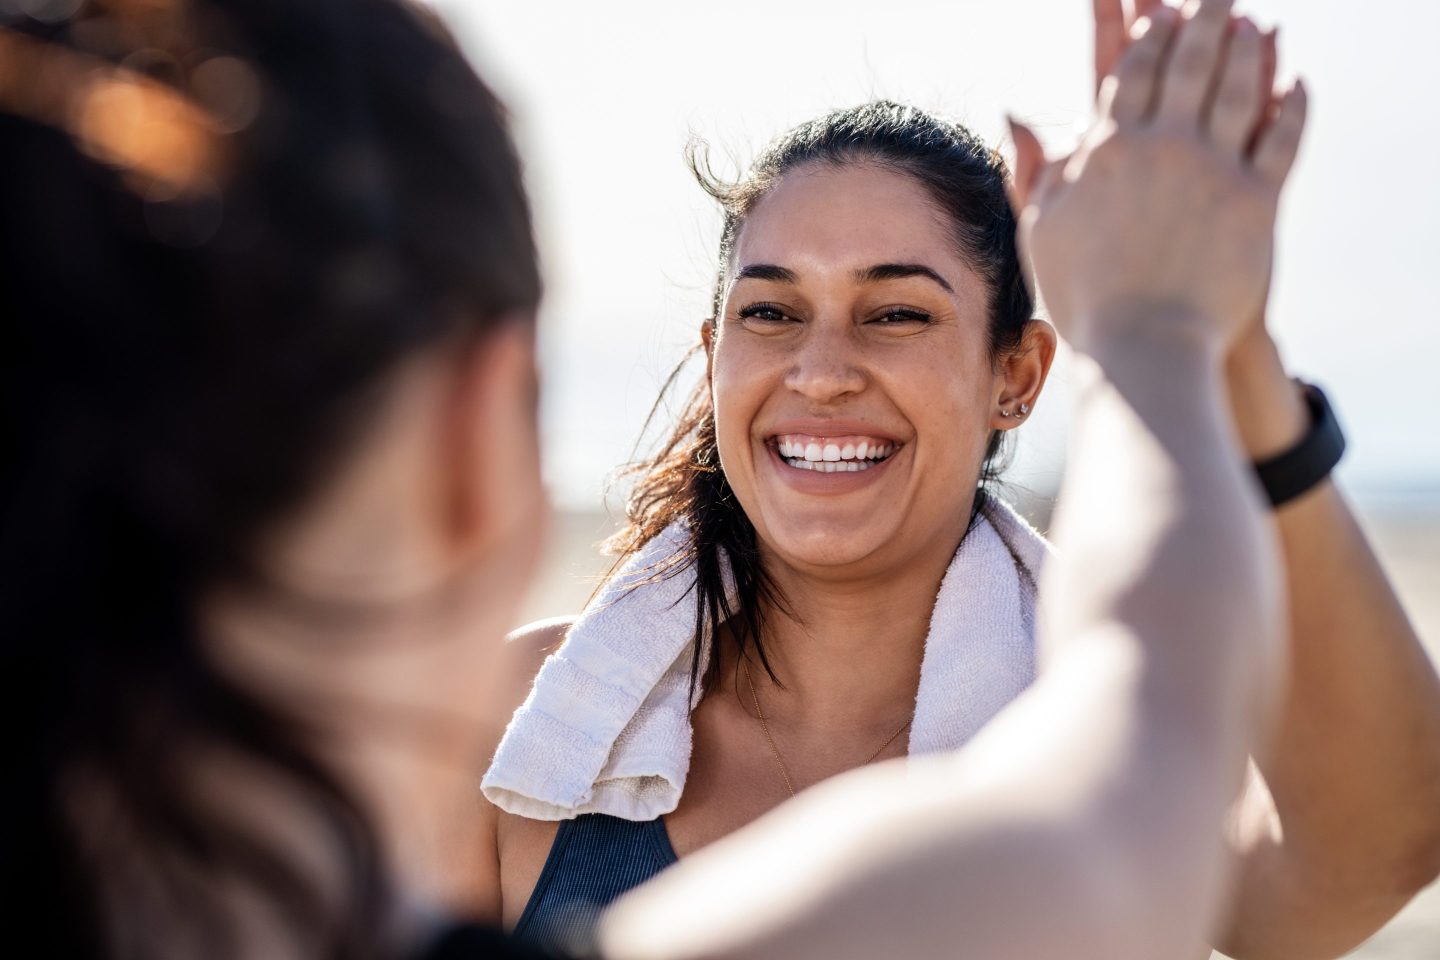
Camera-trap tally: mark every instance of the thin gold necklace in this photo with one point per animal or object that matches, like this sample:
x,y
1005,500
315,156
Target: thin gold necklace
x,y
775,751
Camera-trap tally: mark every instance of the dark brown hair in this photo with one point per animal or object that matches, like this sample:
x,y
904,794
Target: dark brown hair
x,y
684,480
188,346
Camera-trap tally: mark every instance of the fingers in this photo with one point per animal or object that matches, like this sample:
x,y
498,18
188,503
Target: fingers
x,y
1269,65
1029,162
1278,144
1190,72
1144,8
1110,38
1129,94
1269,61
1239,97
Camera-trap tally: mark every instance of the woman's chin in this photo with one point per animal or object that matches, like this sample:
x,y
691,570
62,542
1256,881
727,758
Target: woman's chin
x,y
830,546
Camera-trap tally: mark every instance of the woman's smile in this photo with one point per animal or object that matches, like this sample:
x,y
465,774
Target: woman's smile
x,y
829,456
824,475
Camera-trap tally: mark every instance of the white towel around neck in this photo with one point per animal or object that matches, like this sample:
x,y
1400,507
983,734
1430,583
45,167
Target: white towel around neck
x,y
606,727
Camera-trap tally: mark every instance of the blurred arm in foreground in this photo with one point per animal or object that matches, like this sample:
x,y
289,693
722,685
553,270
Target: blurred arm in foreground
x,y
1342,826
1085,821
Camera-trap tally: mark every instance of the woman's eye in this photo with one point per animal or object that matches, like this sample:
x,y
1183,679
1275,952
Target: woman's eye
x,y
902,316
764,312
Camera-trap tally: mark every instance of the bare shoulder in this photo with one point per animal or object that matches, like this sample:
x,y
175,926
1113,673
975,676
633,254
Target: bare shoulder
x,y
527,648
542,634
524,653
519,846
488,860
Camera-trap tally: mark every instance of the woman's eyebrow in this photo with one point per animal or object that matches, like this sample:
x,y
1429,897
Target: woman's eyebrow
x,y
899,271
875,274
766,271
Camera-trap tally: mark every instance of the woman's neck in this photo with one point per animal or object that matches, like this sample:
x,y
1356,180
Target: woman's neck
x,y
381,697
848,649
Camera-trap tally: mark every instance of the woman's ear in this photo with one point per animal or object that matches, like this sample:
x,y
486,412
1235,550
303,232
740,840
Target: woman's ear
x,y
707,340
1021,375
445,474
494,500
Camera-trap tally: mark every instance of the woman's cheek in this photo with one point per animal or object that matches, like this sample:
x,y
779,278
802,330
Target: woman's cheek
x,y
951,416
735,398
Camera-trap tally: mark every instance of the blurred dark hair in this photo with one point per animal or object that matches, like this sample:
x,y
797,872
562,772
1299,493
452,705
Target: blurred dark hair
x,y
223,223
684,480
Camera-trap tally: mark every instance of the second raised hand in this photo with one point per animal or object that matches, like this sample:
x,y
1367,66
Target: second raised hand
x,y
1174,175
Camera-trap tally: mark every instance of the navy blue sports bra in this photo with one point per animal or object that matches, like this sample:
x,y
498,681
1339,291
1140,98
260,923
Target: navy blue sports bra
x,y
595,858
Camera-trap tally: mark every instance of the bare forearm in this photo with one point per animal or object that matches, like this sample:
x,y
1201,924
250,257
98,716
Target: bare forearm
x,y
1158,515
1355,768
1361,724
1183,564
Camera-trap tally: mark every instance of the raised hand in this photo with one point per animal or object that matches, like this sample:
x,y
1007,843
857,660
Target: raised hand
x,y
1168,205
1114,26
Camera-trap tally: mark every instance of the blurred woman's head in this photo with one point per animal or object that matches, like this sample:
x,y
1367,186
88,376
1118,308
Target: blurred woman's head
x,y
872,338
267,283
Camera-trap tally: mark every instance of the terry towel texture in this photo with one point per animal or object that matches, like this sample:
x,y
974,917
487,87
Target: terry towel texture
x,y
606,727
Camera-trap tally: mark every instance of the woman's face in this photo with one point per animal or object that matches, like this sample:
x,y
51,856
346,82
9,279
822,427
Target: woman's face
x,y
853,386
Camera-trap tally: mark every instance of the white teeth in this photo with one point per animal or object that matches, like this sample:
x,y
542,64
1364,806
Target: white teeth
x,y
833,457
831,466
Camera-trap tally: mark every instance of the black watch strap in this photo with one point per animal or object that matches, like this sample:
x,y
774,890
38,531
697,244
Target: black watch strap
x,y
1295,471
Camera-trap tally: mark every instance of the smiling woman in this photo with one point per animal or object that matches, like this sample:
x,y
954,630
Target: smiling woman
x,y
872,342
847,339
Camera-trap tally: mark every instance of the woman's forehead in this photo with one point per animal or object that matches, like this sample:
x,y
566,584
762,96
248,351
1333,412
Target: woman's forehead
x,y
860,211
828,219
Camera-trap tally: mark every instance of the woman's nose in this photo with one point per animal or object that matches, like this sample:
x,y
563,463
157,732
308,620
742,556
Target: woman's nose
x,y
825,367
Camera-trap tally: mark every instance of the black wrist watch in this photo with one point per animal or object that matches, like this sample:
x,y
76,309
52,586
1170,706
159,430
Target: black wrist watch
x,y
1289,474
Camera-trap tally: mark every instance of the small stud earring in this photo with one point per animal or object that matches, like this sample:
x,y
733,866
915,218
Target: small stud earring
x,y
1004,413
1024,409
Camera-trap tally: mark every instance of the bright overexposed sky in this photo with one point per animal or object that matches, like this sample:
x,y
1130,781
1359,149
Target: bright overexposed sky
x,y
605,97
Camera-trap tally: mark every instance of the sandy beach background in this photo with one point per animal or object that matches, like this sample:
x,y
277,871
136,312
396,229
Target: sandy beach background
x,y
1405,531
